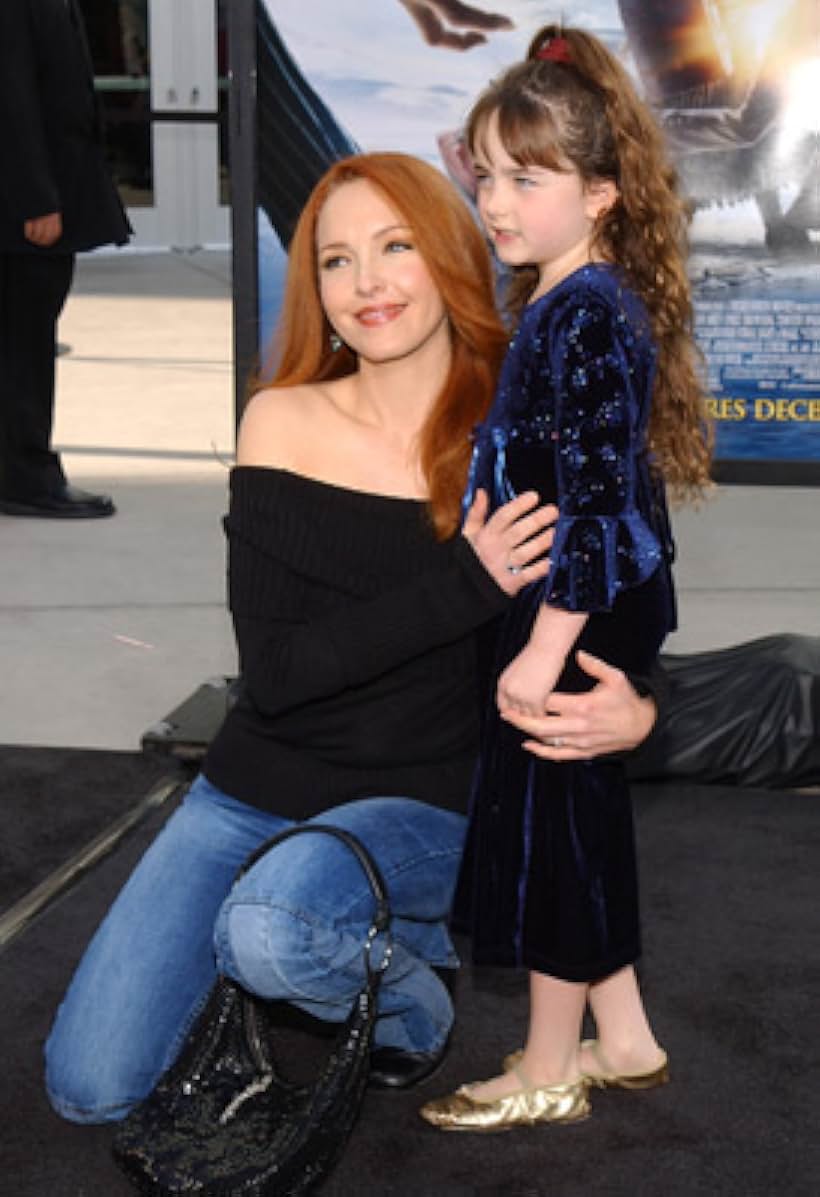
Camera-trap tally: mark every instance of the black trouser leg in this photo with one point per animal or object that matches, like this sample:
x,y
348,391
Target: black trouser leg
x,y
33,289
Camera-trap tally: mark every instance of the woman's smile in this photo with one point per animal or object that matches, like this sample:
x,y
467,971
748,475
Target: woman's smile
x,y
378,314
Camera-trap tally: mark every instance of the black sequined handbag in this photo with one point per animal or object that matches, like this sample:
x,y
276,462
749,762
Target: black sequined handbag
x,y
224,1121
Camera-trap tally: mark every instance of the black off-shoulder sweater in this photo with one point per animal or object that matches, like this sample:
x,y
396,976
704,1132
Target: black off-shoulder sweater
x,y
358,654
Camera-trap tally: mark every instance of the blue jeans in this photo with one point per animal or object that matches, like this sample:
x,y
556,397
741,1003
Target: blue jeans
x,y
292,928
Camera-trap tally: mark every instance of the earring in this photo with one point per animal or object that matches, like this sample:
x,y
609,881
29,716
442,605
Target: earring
x,y
336,342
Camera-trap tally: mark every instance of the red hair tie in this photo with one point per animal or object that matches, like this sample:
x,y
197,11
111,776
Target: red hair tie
x,y
555,50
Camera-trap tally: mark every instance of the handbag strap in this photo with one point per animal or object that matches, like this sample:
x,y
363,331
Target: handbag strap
x,y
381,917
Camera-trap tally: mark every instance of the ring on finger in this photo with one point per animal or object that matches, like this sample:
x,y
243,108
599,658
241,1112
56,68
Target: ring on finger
x,y
514,569
556,742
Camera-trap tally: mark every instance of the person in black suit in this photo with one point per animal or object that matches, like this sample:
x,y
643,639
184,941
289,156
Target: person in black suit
x,y
56,198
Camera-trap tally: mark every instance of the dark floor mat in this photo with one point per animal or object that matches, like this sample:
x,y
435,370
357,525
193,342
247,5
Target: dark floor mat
x,y
731,969
55,800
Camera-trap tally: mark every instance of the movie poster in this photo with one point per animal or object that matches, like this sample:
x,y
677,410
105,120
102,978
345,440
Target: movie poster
x,y
736,86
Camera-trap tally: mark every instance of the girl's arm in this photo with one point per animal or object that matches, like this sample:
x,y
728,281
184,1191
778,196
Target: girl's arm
x,y
529,679
600,363
617,715
602,544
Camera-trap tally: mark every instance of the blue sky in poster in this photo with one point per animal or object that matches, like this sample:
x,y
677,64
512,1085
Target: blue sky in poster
x,y
385,85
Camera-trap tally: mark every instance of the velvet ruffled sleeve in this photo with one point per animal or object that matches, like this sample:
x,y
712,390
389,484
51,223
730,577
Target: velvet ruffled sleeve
x,y
601,366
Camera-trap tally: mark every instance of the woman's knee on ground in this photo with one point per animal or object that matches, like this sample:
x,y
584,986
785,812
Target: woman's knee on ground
x,y
90,1086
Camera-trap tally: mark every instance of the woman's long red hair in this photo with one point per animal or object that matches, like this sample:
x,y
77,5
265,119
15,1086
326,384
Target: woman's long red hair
x,y
455,253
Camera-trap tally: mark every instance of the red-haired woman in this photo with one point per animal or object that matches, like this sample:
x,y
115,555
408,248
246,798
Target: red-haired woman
x,y
357,603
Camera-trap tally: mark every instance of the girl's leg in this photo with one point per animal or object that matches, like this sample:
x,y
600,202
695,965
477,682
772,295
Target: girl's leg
x,y
625,1038
556,1013
293,928
149,967
550,1056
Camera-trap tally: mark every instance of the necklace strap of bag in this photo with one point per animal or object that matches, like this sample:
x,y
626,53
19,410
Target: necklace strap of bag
x,y
381,918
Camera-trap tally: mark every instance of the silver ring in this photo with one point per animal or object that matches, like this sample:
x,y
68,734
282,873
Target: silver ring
x,y
514,569
556,742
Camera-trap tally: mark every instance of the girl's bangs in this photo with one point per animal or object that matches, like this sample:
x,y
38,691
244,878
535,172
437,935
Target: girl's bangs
x,y
530,136
528,133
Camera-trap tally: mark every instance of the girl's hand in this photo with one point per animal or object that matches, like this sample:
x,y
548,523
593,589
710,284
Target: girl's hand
x,y
527,682
512,543
611,717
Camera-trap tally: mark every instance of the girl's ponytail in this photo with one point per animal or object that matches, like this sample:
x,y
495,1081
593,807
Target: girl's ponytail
x,y
615,135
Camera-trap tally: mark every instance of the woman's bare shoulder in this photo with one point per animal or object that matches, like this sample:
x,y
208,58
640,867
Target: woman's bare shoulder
x,y
276,423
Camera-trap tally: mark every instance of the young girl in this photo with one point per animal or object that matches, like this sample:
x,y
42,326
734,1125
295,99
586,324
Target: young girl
x,y
598,400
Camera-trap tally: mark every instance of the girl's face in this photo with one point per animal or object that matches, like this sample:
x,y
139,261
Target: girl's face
x,y
374,284
533,215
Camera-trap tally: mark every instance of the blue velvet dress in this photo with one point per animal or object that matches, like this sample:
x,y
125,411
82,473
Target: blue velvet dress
x,y
548,879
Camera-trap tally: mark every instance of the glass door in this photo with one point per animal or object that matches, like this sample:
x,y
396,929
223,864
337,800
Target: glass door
x,y
161,76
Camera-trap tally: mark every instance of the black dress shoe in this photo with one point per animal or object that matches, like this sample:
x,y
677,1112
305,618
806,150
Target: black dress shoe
x,y
63,503
392,1068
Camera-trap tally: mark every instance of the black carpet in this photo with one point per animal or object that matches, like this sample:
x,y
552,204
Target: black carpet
x,y
55,800
731,974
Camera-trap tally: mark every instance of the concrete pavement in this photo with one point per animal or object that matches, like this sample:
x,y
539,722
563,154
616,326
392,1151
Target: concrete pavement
x,y
105,625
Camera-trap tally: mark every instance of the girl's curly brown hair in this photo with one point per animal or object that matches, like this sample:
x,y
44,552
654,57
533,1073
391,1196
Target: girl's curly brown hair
x,y
585,112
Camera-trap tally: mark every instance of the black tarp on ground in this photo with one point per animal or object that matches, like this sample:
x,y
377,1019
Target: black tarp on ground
x,y
745,715
732,978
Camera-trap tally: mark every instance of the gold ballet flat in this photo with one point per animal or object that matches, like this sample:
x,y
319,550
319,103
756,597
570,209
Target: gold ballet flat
x,y
607,1078
527,1106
